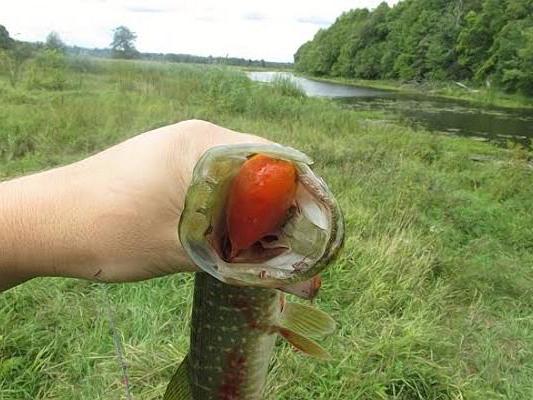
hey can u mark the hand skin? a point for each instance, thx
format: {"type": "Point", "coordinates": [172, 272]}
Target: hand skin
{"type": "Point", "coordinates": [111, 217]}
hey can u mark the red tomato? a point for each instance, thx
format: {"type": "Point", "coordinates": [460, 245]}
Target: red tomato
{"type": "Point", "coordinates": [259, 199]}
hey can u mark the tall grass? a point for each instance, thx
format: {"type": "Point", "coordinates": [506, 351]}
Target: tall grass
{"type": "Point", "coordinates": [287, 86]}
{"type": "Point", "coordinates": [432, 293]}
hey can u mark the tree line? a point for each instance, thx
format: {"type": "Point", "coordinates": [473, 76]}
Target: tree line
{"type": "Point", "coordinates": [487, 42]}
{"type": "Point", "coordinates": [122, 47]}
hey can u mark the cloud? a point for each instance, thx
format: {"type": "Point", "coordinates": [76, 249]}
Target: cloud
{"type": "Point", "coordinates": [314, 20]}
{"type": "Point", "coordinates": [140, 9]}
{"type": "Point", "coordinates": [207, 18]}
{"type": "Point", "coordinates": [254, 16]}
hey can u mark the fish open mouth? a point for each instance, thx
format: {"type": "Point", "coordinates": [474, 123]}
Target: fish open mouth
{"type": "Point", "coordinates": [265, 248]}
{"type": "Point", "coordinates": [296, 251]}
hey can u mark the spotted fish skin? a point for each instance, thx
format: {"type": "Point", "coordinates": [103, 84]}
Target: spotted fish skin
{"type": "Point", "coordinates": [233, 332]}
{"type": "Point", "coordinates": [232, 338]}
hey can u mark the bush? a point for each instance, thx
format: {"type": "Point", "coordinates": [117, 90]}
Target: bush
{"type": "Point", "coordinates": [13, 62]}
{"type": "Point", "coordinates": [47, 71]}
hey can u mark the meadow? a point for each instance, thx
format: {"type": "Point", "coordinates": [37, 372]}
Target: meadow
{"type": "Point", "coordinates": [433, 292]}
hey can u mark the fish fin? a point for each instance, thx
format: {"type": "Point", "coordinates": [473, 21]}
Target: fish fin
{"type": "Point", "coordinates": [306, 290]}
{"type": "Point", "coordinates": [179, 387]}
{"type": "Point", "coordinates": [305, 320]}
{"type": "Point", "coordinates": [306, 345]}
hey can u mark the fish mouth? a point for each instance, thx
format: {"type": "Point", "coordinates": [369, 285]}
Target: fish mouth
{"type": "Point", "coordinates": [266, 248]}
{"type": "Point", "coordinates": [294, 254]}
{"type": "Point", "coordinates": [262, 251]}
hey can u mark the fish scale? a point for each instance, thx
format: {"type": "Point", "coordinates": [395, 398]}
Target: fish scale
{"type": "Point", "coordinates": [231, 339]}
{"type": "Point", "coordinates": [233, 332]}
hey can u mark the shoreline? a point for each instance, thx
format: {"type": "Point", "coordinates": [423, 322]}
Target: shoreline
{"type": "Point", "coordinates": [448, 90]}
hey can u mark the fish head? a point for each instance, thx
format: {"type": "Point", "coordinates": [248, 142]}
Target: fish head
{"type": "Point", "coordinates": [295, 253]}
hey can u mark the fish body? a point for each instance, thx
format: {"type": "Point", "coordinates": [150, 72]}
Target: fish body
{"type": "Point", "coordinates": [233, 332]}
{"type": "Point", "coordinates": [232, 337]}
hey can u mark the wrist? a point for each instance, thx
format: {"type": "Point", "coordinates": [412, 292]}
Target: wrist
{"type": "Point", "coordinates": [12, 270]}
{"type": "Point", "coordinates": [37, 216]}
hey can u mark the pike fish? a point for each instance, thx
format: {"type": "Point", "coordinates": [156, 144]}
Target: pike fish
{"type": "Point", "coordinates": [258, 222]}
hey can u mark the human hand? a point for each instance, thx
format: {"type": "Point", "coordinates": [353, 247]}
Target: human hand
{"type": "Point", "coordinates": [111, 217]}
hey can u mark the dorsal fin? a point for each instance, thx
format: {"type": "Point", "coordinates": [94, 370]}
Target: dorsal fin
{"type": "Point", "coordinates": [305, 320]}
{"type": "Point", "coordinates": [306, 345]}
{"type": "Point", "coordinates": [179, 387]}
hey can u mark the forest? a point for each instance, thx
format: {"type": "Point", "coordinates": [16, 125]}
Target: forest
{"type": "Point", "coordinates": [482, 42]}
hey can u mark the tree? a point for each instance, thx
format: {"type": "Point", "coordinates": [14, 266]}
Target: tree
{"type": "Point", "coordinates": [427, 40]}
{"type": "Point", "coordinates": [526, 62]}
{"type": "Point", "coordinates": [477, 37]}
{"type": "Point", "coordinates": [5, 40]}
{"type": "Point", "coordinates": [422, 40]}
{"type": "Point", "coordinates": [54, 42]}
{"type": "Point", "coordinates": [123, 45]}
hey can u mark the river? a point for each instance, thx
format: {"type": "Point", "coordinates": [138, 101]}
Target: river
{"type": "Point", "coordinates": [438, 114]}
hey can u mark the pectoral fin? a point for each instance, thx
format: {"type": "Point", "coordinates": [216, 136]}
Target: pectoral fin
{"type": "Point", "coordinates": [306, 345]}
{"type": "Point", "coordinates": [179, 387]}
{"type": "Point", "coordinates": [305, 320]}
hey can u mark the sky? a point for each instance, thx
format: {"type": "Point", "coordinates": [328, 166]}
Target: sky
{"type": "Point", "coordinates": [266, 29]}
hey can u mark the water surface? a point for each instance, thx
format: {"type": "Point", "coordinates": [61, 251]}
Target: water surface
{"type": "Point", "coordinates": [451, 116]}
{"type": "Point", "coordinates": [317, 88]}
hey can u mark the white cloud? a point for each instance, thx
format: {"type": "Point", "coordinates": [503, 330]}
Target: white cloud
{"type": "Point", "coordinates": [268, 29]}
{"type": "Point", "coordinates": [314, 20]}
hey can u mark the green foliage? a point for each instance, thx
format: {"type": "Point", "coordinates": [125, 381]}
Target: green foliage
{"type": "Point", "coordinates": [13, 61]}
{"type": "Point", "coordinates": [123, 44]}
{"type": "Point", "coordinates": [319, 56]}
{"type": "Point", "coordinates": [511, 64]}
{"type": "Point", "coordinates": [6, 41]}
{"type": "Point", "coordinates": [47, 71]}
{"type": "Point", "coordinates": [418, 40]}
{"type": "Point", "coordinates": [54, 42]}
{"type": "Point", "coordinates": [432, 292]}
{"type": "Point", "coordinates": [37, 69]}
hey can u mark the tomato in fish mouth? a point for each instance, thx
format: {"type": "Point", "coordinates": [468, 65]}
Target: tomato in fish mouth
{"type": "Point", "coordinates": [260, 198]}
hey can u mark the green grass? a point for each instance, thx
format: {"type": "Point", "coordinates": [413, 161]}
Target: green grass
{"type": "Point", "coordinates": [432, 293]}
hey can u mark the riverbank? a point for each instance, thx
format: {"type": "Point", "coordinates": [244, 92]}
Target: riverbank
{"type": "Point", "coordinates": [264, 69]}
{"type": "Point", "coordinates": [450, 90]}
{"type": "Point", "coordinates": [432, 292]}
